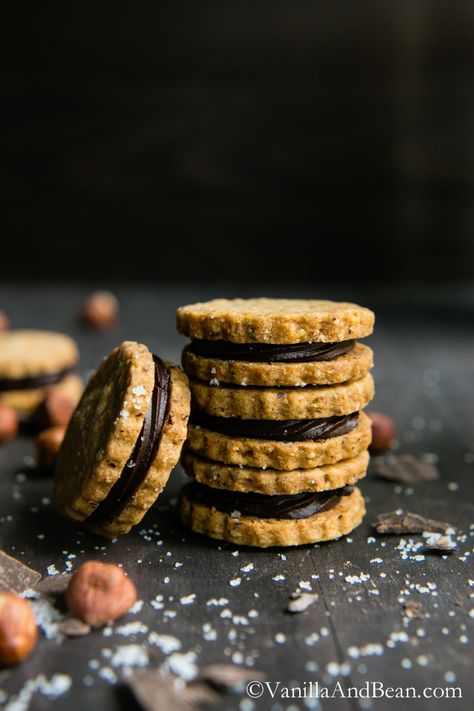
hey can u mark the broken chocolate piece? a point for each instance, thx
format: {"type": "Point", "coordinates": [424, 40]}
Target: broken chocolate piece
{"type": "Point", "coordinates": [15, 576]}
{"type": "Point", "coordinates": [441, 543]}
{"type": "Point", "coordinates": [54, 584]}
{"type": "Point", "coordinates": [73, 627]}
{"type": "Point", "coordinates": [406, 469]}
{"type": "Point", "coordinates": [229, 677]}
{"type": "Point", "coordinates": [413, 608]}
{"type": "Point", "coordinates": [407, 522]}
{"type": "Point", "coordinates": [301, 601]}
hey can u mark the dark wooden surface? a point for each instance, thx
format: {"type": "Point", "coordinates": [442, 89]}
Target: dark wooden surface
{"type": "Point", "coordinates": [425, 366]}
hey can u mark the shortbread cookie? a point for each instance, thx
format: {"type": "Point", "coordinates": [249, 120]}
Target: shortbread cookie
{"type": "Point", "coordinates": [32, 362]}
{"type": "Point", "coordinates": [229, 516]}
{"type": "Point", "coordinates": [123, 440]}
{"type": "Point", "coordinates": [282, 403]}
{"type": "Point", "coordinates": [350, 364]}
{"type": "Point", "coordinates": [273, 481]}
{"type": "Point", "coordinates": [275, 321]}
{"type": "Point", "coordinates": [278, 454]}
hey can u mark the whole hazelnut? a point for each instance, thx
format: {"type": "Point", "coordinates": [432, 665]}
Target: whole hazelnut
{"type": "Point", "coordinates": [55, 409]}
{"type": "Point", "coordinates": [48, 443]}
{"type": "Point", "coordinates": [4, 322]}
{"type": "Point", "coordinates": [18, 630]}
{"type": "Point", "coordinates": [383, 432]}
{"type": "Point", "coordinates": [100, 310]}
{"type": "Point", "coordinates": [8, 423]}
{"type": "Point", "coordinates": [100, 592]}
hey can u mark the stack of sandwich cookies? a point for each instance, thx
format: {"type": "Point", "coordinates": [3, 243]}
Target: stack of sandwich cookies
{"type": "Point", "coordinates": [277, 438]}
{"type": "Point", "coordinates": [34, 362]}
{"type": "Point", "coordinates": [123, 441]}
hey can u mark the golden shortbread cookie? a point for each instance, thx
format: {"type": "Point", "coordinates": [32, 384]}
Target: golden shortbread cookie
{"type": "Point", "coordinates": [103, 433]}
{"type": "Point", "coordinates": [349, 366]}
{"type": "Point", "coordinates": [275, 321]}
{"type": "Point", "coordinates": [274, 481]}
{"type": "Point", "coordinates": [264, 532]}
{"type": "Point", "coordinates": [26, 401]}
{"type": "Point", "coordinates": [280, 455]}
{"type": "Point", "coordinates": [283, 403]}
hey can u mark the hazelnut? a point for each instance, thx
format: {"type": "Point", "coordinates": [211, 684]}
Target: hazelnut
{"type": "Point", "coordinates": [383, 432]}
{"type": "Point", "coordinates": [100, 310]}
{"type": "Point", "coordinates": [100, 592]}
{"type": "Point", "coordinates": [4, 322]}
{"type": "Point", "coordinates": [18, 631]}
{"type": "Point", "coordinates": [55, 409]}
{"type": "Point", "coordinates": [48, 444]}
{"type": "Point", "coordinates": [8, 423]}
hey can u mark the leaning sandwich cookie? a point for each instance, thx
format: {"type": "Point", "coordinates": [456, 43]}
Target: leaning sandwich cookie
{"type": "Point", "coordinates": [123, 440]}
{"type": "Point", "coordinates": [33, 363]}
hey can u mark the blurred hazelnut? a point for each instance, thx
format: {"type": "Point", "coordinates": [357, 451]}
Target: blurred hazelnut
{"type": "Point", "coordinates": [100, 310]}
{"type": "Point", "coordinates": [18, 630]}
{"type": "Point", "coordinates": [100, 592]}
{"type": "Point", "coordinates": [383, 432]}
{"type": "Point", "coordinates": [4, 322]}
{"type": "Point", "coordinates": [48, 444]}
{"type": "Point", "coordinates": [55, 409]}
{"type": "Point", "coordinates": [8, 423]}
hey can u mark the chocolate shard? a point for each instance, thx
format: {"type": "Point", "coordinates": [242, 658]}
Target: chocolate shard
{"type": "Point", "coordinates": [413, 609]}
{"type": "Point", "coordinates": [15, 576]}
{"type": "Point", "coordinates": [156, 690]}
{"type": "Point", "coordinates": [301, 601]}
{"type": "Point", "coordinates": [441, 543]}
{"type": "Point", "coordinates": [73, 627]}
{"type": "Point", "coordinates": [406, 469]}
{"type": "Point", "coordinates": [407, 522]}
{"type": "Point", "coordinates": [54, 584]}
{"type": "Point", "coordinates": [229, 677]}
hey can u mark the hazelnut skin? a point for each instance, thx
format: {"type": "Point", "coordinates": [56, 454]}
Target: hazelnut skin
{"type": "Point", "coordinates": [55, 409]}
{"type": "Point", "coordinates": [100, 592]}
{"type": "Point", "coordinates": [48, 443]}
{"type": "Point", "coordinates": [100, 310]}
{"type": "Point", "coordinates": [18, 630]}
{"type": "Point", "coordinates": [383, 432]}
{"type": "Point", "coordinates": [8, 423]}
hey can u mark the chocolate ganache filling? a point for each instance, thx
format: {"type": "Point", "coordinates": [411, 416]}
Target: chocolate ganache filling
{"type": "Point", "coordinates": [268, 352]}
{"type": "Point", "coordinates": [144, 451]}
{"type": "Point", "coordinates": [280, 430]}
{"type": "Point", "coordinates": [249, 504]}
{"type": "Point", "coordinates": [34, 381]}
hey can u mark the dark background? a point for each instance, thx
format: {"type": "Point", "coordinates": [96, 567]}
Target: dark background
{"type": "Point", "coordinates": [238, 140]}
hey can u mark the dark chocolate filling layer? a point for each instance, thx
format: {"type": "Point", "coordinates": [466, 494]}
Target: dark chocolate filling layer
{"type": "Point", "coordinates": [250, 504]}
{"type": "Point", "coordinates": [268, 352]}
{"type": "Point", "coordinates": [143, 454]}
{"type": "Point", "coordinates": [36, 381]}
{"type": "Point", "coordinates": [280, 430]}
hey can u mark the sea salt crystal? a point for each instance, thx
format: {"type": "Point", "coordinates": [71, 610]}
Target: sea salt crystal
{"type": "Point", "coordinates": [247, 568]}
{"type": "Point", "coordinates": [139, 390]}
{"type": "Point", "coordinates": [183, 665]}
{"type": "Point", "coordinates": [187, 599]}
{"type": "Point", "coordinates": [130, 655]}
{"type": "Point", "coordinates": [165, 642]}
{"type": "Point", "coordinates": [235, 582]}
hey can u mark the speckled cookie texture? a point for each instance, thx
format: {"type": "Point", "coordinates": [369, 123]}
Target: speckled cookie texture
{"type": "Point", "coordinates": [275, 321]}
{"type": "Point", "coordinates": [29, 354]}
{"type": "Point", "coordinates": [349, 366]}
{"type": "Point", "coordinates": [283, 403]}
{"type": "Point", "coordinates": [264, 533]}
{"type": "Point", "coordinates": [102, 434]}
{"type": "Point", "coordinates": [273, 481]}
{"type": "Point", "coordinates": [280, 455]}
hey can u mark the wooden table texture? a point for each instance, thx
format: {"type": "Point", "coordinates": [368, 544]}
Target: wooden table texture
{"type": "Point", "coordinates": [356, 631]}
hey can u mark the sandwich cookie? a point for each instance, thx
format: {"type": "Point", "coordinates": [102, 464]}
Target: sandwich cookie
{"type": "Point", "coordinates": [273, 481]}
{"type": "Point", "coordinates": [279, 444]}
{"type": "Point", "coordinates": [34, 362]}
{"type": "Point", "coordinates": [257, 520]}
{"type": "Point", "coordinates": [123, 441]}
{"type": "Point", "coordinates": [311, 401]}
